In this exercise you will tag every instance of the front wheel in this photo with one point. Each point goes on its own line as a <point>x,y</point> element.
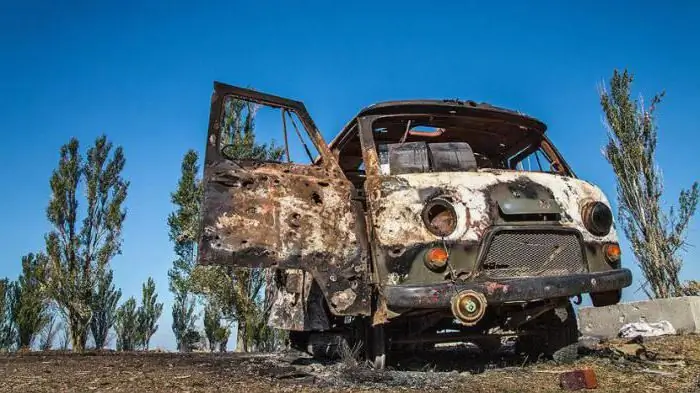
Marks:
<point>553,335</point>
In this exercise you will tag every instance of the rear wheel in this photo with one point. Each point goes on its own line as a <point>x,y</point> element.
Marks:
<point>553,335</point>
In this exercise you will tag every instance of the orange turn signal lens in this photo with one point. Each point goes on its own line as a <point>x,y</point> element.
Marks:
<point>436,258</point>
<point>612,252</point>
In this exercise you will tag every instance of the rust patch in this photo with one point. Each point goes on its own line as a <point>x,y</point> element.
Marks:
<point>286,216</point>
<point>341,300</point>
<point>492,287</point>
<point>380,316</point>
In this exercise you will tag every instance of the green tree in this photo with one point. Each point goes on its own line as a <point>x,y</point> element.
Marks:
<point>656,236</point>
<point>105,298</point>
<point>183,224</point>
<point>237,293</point>
<point>238,134</point>
<point>8,332</point>
<point>184,319</point>
<point>217,334</point>
<point>76,252</point>
<point>127,326</point>
<point>148,313</point>
<point>30,312</point>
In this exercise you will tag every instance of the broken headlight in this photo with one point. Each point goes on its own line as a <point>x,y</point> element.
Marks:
<point>597,218</point>
<point>440,217</point>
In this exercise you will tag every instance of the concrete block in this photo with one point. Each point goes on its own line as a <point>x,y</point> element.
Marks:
<point>605,322</point>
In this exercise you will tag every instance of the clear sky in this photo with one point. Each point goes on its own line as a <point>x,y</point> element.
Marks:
<point>143,75</point>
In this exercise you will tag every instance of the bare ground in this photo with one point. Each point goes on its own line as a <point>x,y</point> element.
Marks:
<point>668,364</point>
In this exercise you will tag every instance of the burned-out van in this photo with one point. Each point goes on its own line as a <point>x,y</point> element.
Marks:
<point>422,222</point>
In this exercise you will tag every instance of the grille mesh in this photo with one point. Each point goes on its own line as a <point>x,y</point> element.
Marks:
<point>520,253</point>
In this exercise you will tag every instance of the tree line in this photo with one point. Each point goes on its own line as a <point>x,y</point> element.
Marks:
<point>72,280</point>
<point>68,287</point>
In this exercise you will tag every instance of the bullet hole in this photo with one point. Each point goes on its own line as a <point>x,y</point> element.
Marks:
<point>244,241</point>
<point>277,181</point>
<point>396,252</point>
<point>294,222</point>
<point>323,184</point>
<point>316,198</point>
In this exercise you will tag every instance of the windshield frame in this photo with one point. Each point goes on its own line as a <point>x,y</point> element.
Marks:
<point>538,140</point>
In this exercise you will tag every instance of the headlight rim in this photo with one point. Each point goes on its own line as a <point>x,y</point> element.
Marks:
<point>449,208</point>
<point>589,221</point>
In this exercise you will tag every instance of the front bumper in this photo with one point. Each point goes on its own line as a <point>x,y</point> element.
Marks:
<point>507,290</point>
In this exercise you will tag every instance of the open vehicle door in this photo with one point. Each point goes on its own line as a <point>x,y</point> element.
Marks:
<point>281,214</point>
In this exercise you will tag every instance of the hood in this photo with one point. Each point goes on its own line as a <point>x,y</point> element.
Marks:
<point>480,199</point>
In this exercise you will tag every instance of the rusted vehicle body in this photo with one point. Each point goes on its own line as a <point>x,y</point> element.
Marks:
<point>422,222</point>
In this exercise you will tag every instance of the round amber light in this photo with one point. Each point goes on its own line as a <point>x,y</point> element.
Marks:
<point>612,252</point>
<point>436,258</point>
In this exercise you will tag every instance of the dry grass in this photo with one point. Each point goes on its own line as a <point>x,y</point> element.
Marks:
<point>678,358</point>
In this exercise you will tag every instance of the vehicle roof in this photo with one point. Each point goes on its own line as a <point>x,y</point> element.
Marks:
<point>447,107</point>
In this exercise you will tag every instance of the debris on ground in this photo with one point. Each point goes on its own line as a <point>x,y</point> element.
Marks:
<point>578,379</point>
<point>647,329</point>
<point>663,364</point>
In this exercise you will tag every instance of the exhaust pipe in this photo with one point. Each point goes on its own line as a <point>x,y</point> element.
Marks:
<point>468,307</point>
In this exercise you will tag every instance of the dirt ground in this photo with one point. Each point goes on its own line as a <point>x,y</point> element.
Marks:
<point>668,364</point>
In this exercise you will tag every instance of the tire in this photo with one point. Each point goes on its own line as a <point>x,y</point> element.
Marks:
<point>320,345</point>
<point>554,336</point>
<point>489,346</point>
<point>602,299</point>
<point>299,340</point>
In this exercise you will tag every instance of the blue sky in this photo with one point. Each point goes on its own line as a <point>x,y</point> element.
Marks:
<point>142,74</point>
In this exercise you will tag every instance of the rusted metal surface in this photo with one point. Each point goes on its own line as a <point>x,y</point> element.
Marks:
<point>578,379</point>
<point>402,198</point>
<point>481,200</point>
<point>297,303</point>
<point>507,290</point>
<point>283,215</point>
<point>345,229</point>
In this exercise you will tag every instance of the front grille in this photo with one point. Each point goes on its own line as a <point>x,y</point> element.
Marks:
<point>523,253</point>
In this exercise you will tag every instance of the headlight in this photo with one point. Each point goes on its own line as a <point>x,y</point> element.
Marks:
<point>440,217</point>
<point>597,218</point>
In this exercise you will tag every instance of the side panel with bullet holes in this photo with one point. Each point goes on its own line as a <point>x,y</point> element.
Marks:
<point>284,215</point>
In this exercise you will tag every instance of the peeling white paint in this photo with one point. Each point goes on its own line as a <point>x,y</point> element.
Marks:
<point>399,219</point>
